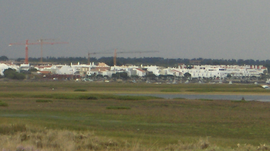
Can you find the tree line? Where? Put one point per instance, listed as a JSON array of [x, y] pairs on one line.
[[159, 61]]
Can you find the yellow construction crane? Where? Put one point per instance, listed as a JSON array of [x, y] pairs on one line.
[[93, 53], [40, 42], [45, 41], [115, 53]]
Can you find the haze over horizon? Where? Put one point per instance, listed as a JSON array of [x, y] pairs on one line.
[[177, 28]]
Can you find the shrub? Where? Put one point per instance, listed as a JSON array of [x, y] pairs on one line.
[[239, 101], [88, 97], [82, 90], [43, 101], [3, 104], [135, 97], [180, 98], [118, 107], [11, 129], [13, 74], [206, 99]]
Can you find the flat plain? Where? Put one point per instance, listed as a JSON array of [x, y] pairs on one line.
[[132, 122]]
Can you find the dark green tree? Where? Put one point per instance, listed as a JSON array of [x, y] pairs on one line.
[[122, 75], [3, 58], [9, 73], [150, 75], [187, 75], [13, 74], [32, 69], [229, 76]]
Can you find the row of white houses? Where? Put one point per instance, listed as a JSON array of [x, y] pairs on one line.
[[196, 71]]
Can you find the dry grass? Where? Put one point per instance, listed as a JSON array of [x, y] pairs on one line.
[[43, 139]]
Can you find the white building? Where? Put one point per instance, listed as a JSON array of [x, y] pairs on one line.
[[221, 71]]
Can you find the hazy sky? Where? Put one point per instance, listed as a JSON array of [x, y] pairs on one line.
[[229, 29]]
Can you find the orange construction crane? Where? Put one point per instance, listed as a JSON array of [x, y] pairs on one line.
[[43, 41], [115, 54], [40, 42]]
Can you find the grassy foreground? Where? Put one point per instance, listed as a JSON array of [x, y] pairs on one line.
[[111, 88], [38, 118], [21, 138]]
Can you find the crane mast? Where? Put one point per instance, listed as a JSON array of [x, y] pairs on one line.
[[43, 41], [40, 42], [26, 48], [115, 54], [114, 57]]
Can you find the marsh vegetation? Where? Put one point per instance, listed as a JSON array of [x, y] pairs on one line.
[[105, 121]]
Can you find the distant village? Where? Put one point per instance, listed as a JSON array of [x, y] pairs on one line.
[[150, 74]]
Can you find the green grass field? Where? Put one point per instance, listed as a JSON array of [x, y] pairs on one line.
[[144, 123], [112, 88]]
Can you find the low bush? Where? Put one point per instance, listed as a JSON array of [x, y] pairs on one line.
[[82, 90], [3, 104], [206, 99], [43, 101], [135, 97], [88, 97], [239, 101], [12, 128], [179, 98], [127, 97], [117, 107]]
